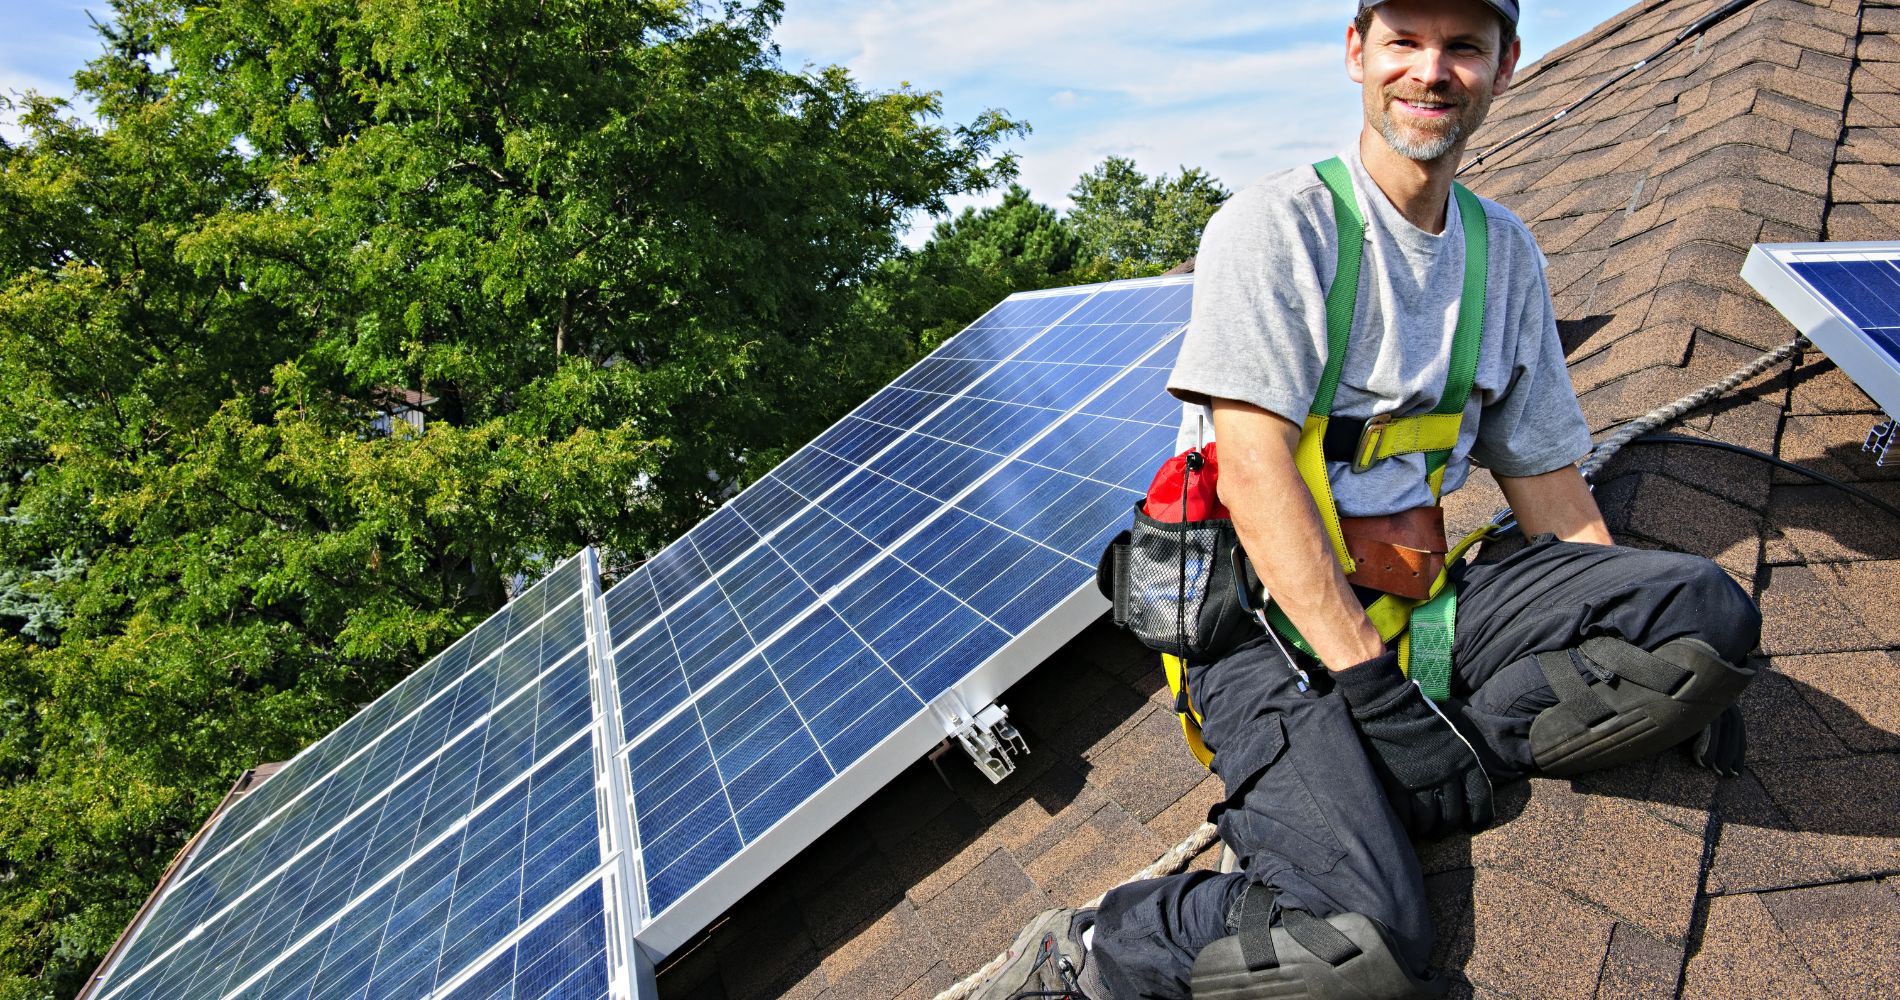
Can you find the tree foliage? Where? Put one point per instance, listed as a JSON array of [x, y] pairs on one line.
[[623, 247], [970, 263], [1131, 225]]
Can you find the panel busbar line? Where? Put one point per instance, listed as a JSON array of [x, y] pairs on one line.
[[406, 845], [1846, 298], [778, 663]]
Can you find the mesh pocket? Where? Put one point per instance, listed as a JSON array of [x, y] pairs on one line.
[[1173, 586]]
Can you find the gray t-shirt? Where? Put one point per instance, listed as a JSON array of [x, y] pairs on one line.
[[1258, 334]]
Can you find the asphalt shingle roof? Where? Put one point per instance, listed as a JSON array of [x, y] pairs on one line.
[[1652, 880]]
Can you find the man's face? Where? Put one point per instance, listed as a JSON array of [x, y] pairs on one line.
[[1428, 70]]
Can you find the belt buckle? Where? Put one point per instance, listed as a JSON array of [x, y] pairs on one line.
[[1367, 452]]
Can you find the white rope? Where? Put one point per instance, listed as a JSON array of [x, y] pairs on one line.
[[1177, 857], [1602, 453]]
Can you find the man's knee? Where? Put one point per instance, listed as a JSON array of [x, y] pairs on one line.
[[1617, 702], [1281, 952], [1717, 609]]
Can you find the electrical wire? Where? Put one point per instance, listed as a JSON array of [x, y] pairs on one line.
[[1697, 27], [1779, 463]]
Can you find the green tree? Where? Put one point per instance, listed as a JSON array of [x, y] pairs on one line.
[[1132, 225], [970, 263], [618, 241]]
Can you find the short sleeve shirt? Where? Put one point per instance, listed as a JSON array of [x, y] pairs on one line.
[[1258, 334]]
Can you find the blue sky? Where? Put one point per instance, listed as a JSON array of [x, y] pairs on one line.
[[1236, 89]]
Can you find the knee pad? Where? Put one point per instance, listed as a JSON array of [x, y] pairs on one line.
[[1348, 956], [1640, 703]]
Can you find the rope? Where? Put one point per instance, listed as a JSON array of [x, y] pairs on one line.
[[1602, 453]]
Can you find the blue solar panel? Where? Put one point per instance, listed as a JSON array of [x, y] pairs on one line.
[[1845, 297], [564, 956], [512, 819], [781, 640], [391, 855], [1866, 291]]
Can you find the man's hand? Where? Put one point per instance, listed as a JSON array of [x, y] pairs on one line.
[[1279, 526], [1432, 776]]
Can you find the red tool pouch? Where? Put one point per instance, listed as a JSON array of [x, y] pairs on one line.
[[1172, 575]]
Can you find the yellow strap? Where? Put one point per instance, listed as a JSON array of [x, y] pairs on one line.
[[1410, 435], [1190, 723], [1310, 460]]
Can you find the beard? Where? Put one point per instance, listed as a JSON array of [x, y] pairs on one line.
[[1427, 140]]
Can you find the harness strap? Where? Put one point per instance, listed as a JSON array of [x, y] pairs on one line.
[[1342, 301], [1435, 434]]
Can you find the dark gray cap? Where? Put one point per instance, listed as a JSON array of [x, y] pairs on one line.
[[1507, 8]]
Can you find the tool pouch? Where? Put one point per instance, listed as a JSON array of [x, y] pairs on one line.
[[1172, 583]]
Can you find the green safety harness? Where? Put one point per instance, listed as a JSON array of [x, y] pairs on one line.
[[1423, 628]]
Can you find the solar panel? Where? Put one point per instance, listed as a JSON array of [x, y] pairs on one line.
[[443, 825], [584, 781], [822, 630], [1846, 298]]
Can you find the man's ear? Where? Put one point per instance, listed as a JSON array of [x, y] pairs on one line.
[[1355, 54], [1507, 68]]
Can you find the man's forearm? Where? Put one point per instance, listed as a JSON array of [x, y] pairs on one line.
[[1555, 503], [1280, 528]]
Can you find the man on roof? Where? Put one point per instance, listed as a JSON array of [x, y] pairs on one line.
[[1567, 655]]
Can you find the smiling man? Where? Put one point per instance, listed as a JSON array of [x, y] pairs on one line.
[[1363, 330]]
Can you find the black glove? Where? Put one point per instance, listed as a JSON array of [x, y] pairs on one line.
[[1722, 744], [1432, 776]]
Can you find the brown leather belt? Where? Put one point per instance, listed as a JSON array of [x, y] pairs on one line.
[[1400, 553]]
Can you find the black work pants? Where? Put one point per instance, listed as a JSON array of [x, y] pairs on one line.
[[1305, 812]]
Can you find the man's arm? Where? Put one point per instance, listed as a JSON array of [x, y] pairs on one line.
[[1280, 528], [1557, 503]]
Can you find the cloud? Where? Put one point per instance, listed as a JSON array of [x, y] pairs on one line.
[[45, 44], [1235, 89], [1104, 46]]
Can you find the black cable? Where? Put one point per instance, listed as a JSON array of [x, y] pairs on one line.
[[1802, 470], [1697, 27]]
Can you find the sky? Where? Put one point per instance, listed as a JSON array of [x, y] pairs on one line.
[[1236, 89]]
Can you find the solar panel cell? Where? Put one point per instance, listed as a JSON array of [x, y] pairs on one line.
[[565, 955]]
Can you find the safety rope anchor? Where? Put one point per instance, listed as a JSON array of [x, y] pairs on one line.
[[986, 735], [1880, 441]]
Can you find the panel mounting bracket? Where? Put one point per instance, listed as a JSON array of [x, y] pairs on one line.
[[985, 734], [1880, 441]]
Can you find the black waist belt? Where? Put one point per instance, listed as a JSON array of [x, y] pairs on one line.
[[1341, 443]]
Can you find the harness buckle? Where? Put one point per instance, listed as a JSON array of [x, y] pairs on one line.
[[1367, 452]]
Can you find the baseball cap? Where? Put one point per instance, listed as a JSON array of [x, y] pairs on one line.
[[1506, 8]]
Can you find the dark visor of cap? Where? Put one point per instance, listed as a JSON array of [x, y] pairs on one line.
[[1508, 8]]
